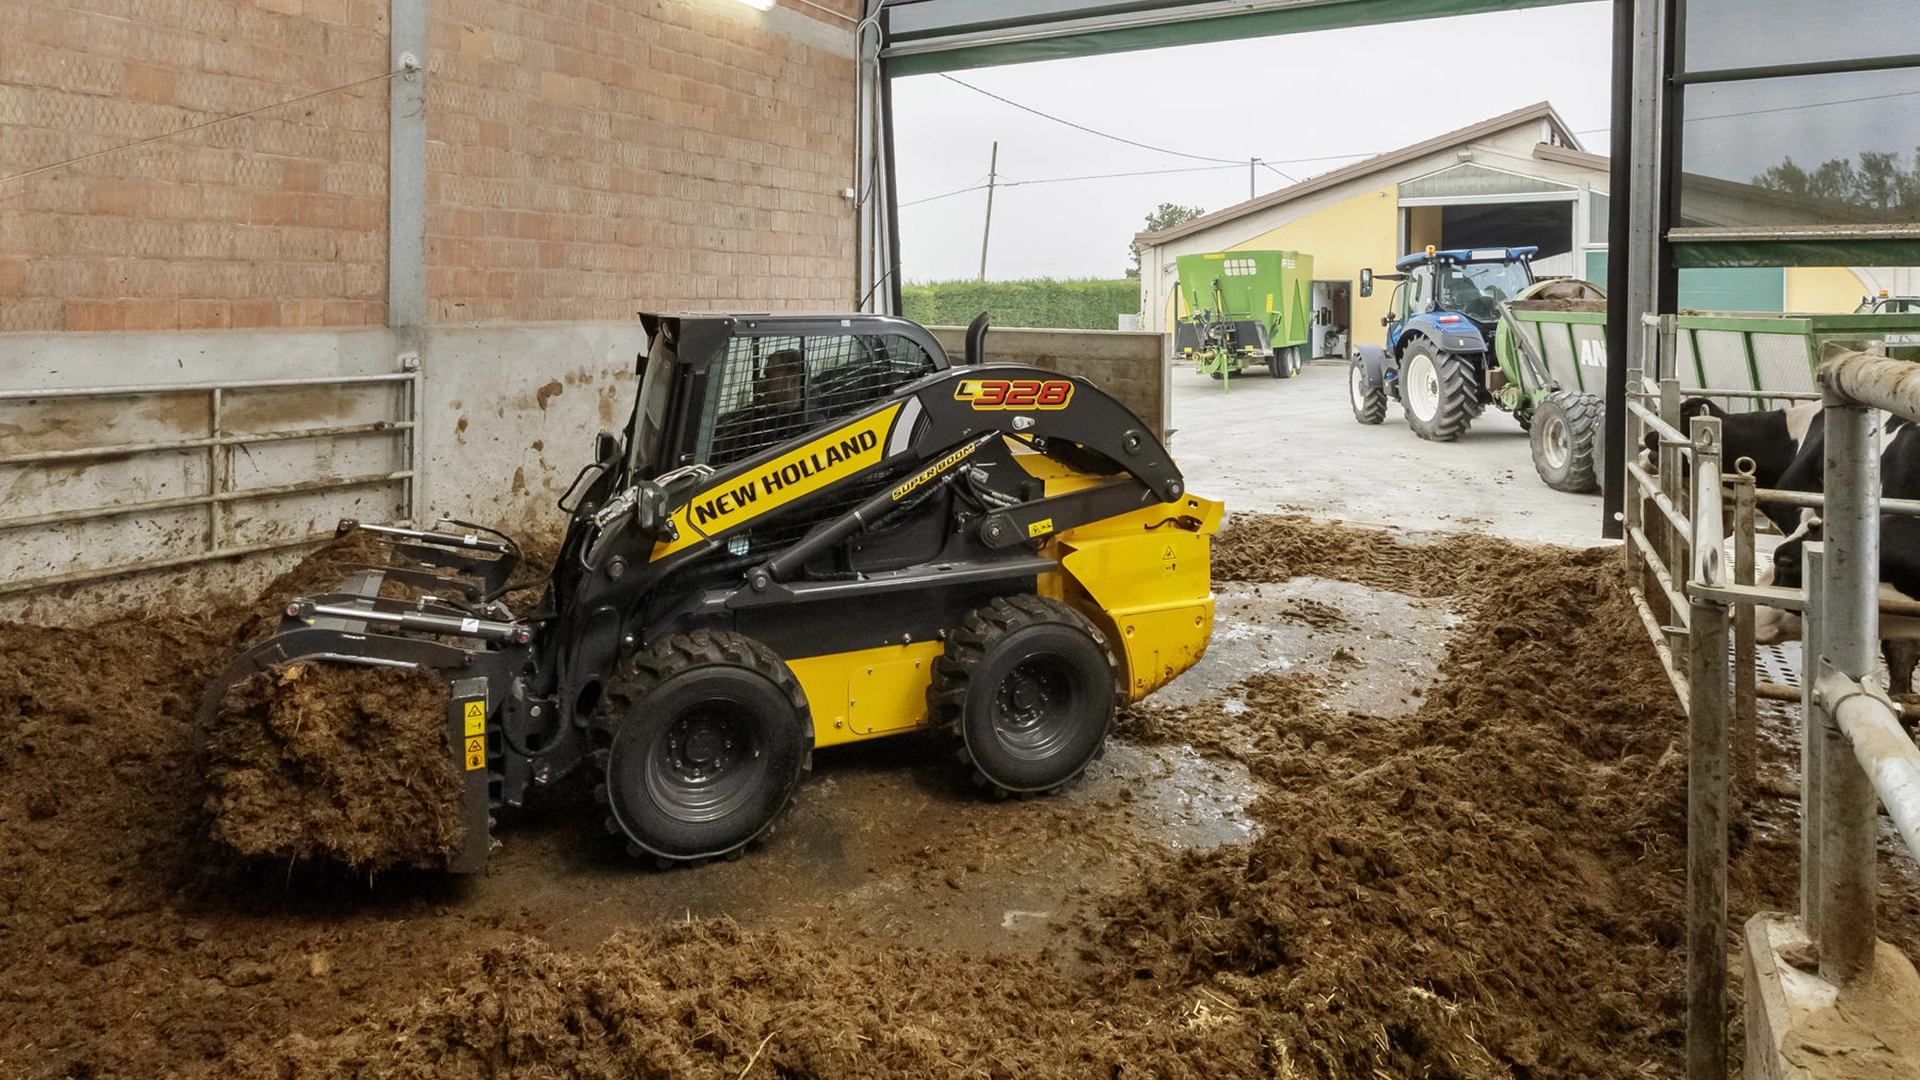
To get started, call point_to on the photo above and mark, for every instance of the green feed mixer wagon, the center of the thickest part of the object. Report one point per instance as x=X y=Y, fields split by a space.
x=1246 y=308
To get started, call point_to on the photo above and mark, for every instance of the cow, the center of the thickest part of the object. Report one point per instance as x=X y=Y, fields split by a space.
x=1899 y=580
x=1899 y=543
x=1772 y=438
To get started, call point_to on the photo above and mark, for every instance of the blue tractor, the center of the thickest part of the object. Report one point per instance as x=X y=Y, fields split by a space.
x=1440 y=338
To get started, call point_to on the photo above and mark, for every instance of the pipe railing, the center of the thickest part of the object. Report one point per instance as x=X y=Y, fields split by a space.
x=217 y=540
x=1853 y=752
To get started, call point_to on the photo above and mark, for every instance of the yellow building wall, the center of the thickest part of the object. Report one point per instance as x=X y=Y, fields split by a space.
x=1823 y=289
x=1362 y=231
x=1423 y=227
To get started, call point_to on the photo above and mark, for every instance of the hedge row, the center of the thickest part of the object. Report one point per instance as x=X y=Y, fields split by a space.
x=1042 y=302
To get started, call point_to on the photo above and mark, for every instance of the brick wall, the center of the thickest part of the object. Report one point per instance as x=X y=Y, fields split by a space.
x=277 y=220
x=585 y=159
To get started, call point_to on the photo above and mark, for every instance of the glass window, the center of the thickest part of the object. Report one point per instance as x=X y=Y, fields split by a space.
x=1807 y=150
x=1723 y=34
x=1599 y=217
x=1419 y=291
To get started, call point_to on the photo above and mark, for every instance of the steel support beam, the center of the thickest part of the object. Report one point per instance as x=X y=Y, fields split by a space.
x=1850 y=645
x=407 y=175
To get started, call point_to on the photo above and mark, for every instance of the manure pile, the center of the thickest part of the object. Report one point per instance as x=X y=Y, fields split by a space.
x=1489 y=886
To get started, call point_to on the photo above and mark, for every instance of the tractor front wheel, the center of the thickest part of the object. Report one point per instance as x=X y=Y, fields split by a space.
x=1367 y=395
x=1565 y=438
x=1437 y=392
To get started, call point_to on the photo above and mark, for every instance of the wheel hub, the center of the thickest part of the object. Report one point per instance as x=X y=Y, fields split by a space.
x=1555 y=442
x=1030 y=710
x=699 y=748
x=1423 y=387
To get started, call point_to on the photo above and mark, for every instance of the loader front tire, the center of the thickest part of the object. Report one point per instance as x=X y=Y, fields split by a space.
x=706 y=737
x=1026 y=689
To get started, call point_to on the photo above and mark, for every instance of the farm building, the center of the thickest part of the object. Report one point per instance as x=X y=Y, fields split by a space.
x=1518 y=179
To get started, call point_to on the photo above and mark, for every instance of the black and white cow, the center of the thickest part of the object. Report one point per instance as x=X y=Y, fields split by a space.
x=1899 y=544
x=1772 y=438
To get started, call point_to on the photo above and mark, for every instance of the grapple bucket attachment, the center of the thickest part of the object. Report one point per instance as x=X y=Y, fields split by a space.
x=431 y=602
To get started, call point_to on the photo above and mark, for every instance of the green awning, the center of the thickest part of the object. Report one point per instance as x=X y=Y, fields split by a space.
x=950 y=35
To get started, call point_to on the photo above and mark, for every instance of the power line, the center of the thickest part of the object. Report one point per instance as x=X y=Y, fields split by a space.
x=1083 y=127
x=1804 y=105
x=1005 y=183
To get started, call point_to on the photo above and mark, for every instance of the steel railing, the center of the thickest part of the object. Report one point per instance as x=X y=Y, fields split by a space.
x=1853 y=752
x=218 y=540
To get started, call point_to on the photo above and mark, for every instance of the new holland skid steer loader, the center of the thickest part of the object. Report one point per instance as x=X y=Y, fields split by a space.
x=814 y=530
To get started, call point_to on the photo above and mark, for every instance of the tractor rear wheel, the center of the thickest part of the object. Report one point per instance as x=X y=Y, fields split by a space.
x=1565 y=436
x=1026 y=689
x=1284 y=363
x=1368 y=396
x=705 y=737
x=1437 y=393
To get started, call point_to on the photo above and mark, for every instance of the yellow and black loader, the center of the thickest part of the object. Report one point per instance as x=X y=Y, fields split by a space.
x=814 y=530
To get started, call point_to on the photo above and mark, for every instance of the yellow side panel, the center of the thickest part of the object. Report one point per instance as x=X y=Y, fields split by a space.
x=1342 y=238
x=1824 y=289
x=1150 y=583
x=867 y=692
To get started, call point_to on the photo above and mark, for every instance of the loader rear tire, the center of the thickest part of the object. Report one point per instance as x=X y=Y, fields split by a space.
x=1026 y=689
x=706 y=735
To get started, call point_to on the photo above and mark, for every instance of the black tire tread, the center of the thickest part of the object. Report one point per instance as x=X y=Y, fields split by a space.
x=1585 y=413
x=1459 y=398
x=636 y=677
x=1372 y=408
x=968 y=645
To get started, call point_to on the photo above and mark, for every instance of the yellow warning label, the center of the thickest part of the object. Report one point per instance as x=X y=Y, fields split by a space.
x=1040 y=528
x=476 y=753
x=476 y=718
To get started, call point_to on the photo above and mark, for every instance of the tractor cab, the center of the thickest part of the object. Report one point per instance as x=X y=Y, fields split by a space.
x=1442 y=292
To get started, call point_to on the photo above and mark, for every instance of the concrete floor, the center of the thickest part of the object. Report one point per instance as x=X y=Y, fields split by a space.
x=1272 y=445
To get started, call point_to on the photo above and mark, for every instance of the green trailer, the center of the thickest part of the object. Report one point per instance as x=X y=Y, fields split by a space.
x=1714 y=352
x=1245 y=308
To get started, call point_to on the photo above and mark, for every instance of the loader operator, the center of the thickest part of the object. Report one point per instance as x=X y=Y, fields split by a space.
x=778 y=411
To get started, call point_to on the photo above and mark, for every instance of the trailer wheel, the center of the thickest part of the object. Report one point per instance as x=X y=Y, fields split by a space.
x=1367 y=396
x=705 y=737
x=1284 y=363
x=1026 y=689
x=1565 y=437
x=1437 y=393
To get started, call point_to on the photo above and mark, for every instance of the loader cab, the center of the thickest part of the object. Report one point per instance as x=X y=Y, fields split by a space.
x=716 y=389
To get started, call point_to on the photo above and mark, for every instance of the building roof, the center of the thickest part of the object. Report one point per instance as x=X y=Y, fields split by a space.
x=1379 y=163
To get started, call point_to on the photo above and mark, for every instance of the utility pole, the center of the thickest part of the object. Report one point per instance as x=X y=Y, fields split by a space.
x=1251 y=162
x=993 y=165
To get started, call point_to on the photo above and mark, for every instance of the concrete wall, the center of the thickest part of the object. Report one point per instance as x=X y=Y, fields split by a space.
x=1129 y=364
x=584 y=161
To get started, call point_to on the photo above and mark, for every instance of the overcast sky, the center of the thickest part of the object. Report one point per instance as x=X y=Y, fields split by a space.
x=1325 y=97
